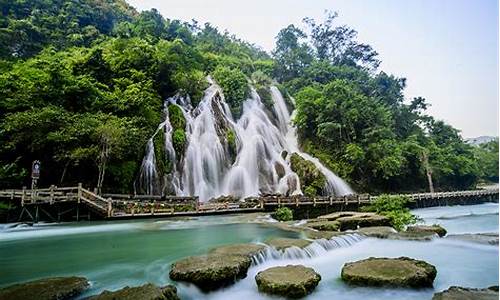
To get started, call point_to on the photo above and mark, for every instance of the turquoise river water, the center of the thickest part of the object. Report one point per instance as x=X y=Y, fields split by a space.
x=115 y=254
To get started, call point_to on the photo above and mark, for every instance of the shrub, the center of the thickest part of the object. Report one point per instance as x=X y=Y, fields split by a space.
x=283 y=214
x=179 y=141
x=395 y=208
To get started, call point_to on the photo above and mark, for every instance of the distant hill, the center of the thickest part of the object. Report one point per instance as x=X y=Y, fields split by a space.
x=480 y=139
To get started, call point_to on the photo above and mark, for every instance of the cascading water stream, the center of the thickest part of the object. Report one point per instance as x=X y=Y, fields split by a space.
x=210 y=168
x=334 y=184
x=316 y=248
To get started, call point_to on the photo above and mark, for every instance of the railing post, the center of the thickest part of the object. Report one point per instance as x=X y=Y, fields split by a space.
x=79 y=192
x=52 y=194
x=23 y=196
x=110 y=208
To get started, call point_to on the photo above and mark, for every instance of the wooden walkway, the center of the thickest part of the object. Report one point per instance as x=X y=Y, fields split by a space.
x=120 y=206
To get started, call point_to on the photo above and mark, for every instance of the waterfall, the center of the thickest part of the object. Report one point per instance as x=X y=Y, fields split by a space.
x=334 y=184
x=211 y=166
x=316 y=248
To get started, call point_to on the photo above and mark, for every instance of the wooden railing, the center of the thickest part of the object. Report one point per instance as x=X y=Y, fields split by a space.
x=110 y=205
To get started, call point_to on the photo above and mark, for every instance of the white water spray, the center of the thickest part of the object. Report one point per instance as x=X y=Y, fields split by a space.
x=211 y=168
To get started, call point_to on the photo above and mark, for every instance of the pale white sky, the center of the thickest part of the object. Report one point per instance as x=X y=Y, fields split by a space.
x=447 y=49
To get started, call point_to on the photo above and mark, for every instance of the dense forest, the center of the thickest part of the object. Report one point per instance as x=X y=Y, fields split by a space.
x=82 y=86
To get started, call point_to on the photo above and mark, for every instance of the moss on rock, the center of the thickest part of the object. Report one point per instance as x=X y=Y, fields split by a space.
x=311 y=179
x=381 y=232
x=283 y=243
x=292 y=281
x=145 y=292
x=46 y=289
x=460 y=293
x=247 y=250
x=212 y=271
x=400 y=272
x=439 y=230
x=348 y=221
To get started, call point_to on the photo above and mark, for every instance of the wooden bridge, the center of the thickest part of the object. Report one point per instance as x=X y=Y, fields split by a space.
x=57 y=202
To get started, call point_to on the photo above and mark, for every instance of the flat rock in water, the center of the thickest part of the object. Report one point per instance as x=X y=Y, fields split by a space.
x=292 y=281
x=283 y=243
x=460 y=293
x=381 y=232
x=399 y=272
x=212 y=271
x=351 y=220
x=248 y=250
x=439 y=230
x=480 y=238
x=145 y=292
x=46 y=289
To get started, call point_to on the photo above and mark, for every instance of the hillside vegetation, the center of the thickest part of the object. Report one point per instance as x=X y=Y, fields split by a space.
x=82 y=86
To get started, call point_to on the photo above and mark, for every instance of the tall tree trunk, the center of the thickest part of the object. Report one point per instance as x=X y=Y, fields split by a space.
x=64 y=171
x=103 y=157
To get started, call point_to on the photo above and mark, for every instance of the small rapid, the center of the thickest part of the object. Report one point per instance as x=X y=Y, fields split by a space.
x=316 y=248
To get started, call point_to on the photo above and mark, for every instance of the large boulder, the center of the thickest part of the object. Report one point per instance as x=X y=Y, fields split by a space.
x=56 y=288
x=145 y=292
x=399 y=272
x=212 y=271
x=437 y=229
x=283 y=243
x=311 y=179
x=292 y=281
x=460 y=293
x=348 y=221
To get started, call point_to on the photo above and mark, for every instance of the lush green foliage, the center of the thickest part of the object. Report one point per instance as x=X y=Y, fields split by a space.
x=356 y=121
x=235 y=87
x=283 y=214
x=82 y=83
x=395 y=208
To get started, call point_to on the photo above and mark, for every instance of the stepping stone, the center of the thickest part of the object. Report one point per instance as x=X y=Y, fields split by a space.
x=292 y=281
x=46 y=289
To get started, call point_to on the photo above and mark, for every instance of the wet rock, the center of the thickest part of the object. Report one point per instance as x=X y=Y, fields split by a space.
x=212 y=271
x=280 y=169
x=399 y=272
x=428 y=228
x=145 y=292
x=283 y=243
x=311 y=178
x=480 y=238
x=46 y=289
x=292 y=281
x=460 y=293
x=311 y=234
x=247 y=250
x=381 y=232
x=324 y=225
x=413 y=236
x=350 y=220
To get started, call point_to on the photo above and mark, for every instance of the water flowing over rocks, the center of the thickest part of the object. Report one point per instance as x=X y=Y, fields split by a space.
x=243 y=158
x=398 y=272
x=56 y=288
x=212 y=271
x=439 y=230
x=460 y=293
x=145 y=292
x=479 y=238
x=291 y=281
